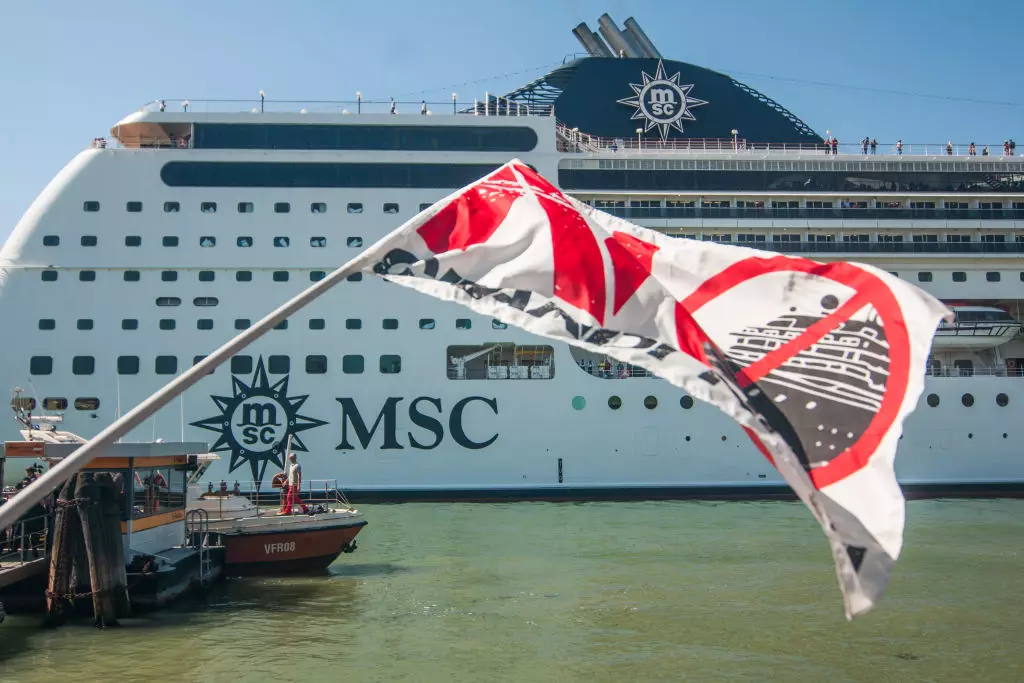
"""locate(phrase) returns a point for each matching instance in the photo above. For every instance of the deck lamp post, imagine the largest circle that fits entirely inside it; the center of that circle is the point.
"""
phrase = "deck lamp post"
(639, 132)
(263, 96)
(735, 140)
(359, 102)
(453, 103)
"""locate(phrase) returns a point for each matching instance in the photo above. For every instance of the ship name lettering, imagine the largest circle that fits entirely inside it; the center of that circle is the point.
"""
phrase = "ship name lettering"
(425, 412)
(271, 548)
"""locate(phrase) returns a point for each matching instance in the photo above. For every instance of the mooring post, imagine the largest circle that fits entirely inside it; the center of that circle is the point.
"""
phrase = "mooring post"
(98, 548)
(111, 507)
(58, 586)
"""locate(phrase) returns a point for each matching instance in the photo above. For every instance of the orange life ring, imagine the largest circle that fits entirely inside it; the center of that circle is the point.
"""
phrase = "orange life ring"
(279, 480)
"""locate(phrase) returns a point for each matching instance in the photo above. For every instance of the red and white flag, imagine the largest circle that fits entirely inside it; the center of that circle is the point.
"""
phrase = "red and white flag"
(820, 363)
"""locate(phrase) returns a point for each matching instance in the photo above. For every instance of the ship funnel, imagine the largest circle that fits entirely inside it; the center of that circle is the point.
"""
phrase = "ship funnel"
(591, 41)
(640, 38)
(614, 37)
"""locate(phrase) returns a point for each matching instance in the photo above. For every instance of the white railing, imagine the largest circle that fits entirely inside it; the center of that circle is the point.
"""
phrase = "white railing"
(490, 105)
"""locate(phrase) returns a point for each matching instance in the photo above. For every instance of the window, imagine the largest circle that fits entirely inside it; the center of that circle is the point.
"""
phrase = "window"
(244, 241)
(85, 323)
(208, 207)
(1002, 400)
(965, 368)
(129, 324)
(993, 276)
(206, 276)
(48, 276)
(40, 365)
(789, 238)
(51, 240)
(168, 301)
(166, 365)
(127, 365)
(317, 242)
(889, 239)
(352, 365)
(172, 207)
(242, 323)
(52, 403)
(924, 277)
(716, 237)
(204, 324)
(750, 237)
(196, 360)
(243, 276)
(87, 403)
(283, 325)
(47, 324)
(354, 242)
(87, 276)
(241, 365)
(91, 207)
(167, 324)
(205, 301)
(316, 275)
(429, 324)
(390, 323)
(861, 237)
(959, 276)
(169, 276)
(133, 207)
(390, 207)
(933, 400)
(207, 241)
(282, 242)
(353, 324)
(280, 276)
(170, 241)
(967, 400)
(83, 365)
(956, 206)
(354, 207)
(424, 206)
(498, 325)
(463, 323)
(614, 402)
(245, 207)
(89, 241)
(390, 364)
(132, 276)
(317, 324)
(133, 241)
(355, 277)
(650, 402)
(282, 207)
(318, 207)
(23, 403)
(279, 365)
(316, 365)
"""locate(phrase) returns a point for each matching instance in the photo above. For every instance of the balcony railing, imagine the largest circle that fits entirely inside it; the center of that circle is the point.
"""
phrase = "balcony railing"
(874, 214)
(884, 247)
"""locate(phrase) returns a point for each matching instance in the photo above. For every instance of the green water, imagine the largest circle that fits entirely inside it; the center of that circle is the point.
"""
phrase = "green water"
(589, 592)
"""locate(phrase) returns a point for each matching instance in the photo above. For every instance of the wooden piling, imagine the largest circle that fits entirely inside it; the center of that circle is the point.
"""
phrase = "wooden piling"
(102, 530)
(58, 587)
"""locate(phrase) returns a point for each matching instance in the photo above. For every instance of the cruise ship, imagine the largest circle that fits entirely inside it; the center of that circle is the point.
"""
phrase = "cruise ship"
(161, 240)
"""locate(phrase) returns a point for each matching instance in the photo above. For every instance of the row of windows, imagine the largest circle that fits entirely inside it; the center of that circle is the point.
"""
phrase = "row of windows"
(686, 402)
(204, 241)
(203, 275)
(93, 206)
(28, 403)
(779, 208)
(354, 364)
(49, 324)
(327, 175)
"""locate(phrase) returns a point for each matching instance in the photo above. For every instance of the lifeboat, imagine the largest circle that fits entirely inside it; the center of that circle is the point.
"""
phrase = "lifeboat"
(976, 327)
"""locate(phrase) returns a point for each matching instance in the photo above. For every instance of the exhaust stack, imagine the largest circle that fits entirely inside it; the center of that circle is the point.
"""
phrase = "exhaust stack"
(591, 41)
(614, 37)
(641, 39)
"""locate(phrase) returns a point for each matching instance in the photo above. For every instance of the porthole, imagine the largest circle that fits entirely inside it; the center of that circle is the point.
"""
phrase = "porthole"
(933, 400)
(614, 402)
(87, 404)
(723, 437)
(970, 435)
(245, 207)
(55, 403)
(316, 275)
(170, 241)
(686, 402)
(967, 400)
(1002, 400)
(318, 207)
(282, 207)
(579, 403)
(51, 241)
(651, 402)
(687, 437)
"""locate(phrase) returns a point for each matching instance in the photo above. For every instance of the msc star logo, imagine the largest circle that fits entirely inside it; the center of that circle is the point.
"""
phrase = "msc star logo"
(661, 102)
(256, 420)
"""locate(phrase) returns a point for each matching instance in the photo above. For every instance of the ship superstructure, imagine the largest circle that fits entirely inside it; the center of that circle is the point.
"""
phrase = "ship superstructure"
(161, 241)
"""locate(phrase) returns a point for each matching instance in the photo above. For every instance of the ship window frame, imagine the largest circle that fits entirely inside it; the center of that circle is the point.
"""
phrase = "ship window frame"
(239, 241)
(316, 364)
(425, 205)
(133, 207)
(89, 240)
(212, 241)
(167, 324)
(170, 241)
(389, 323)
(129, 324)
(128, 365)
(318, 207)
(283, 325)
(427, 324)
(924, 276)
(354, 207)
(282, 242)
(353, 323)
(131, 276)
(168, 301)
(47, 324)
(353, 364)
(133, 241)
(281, 276)
(55, 403)
(390, 364)
(241, 365)
(959, 276)
(355, 277)
(165, 365)
(40, 365)
(83, 365)
(317, 242)
(282, 207)
(204, 324)
(354, 242)
(168, 276)
(993, 276)
(205, 301)
(172, 207)
(390, 208)
(85, 324)
(242, 323)
(279, 364)
(87, 276)
(51, 275)
(51, 240)
(243, 276)
(317, 324)
(91, 206)
(85, 403)
(245, 207)
(463, 324)
(208, 207)
(317, 275)
(206, 276)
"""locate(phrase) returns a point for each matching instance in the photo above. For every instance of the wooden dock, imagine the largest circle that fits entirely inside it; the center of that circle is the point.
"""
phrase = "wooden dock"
(13, 569)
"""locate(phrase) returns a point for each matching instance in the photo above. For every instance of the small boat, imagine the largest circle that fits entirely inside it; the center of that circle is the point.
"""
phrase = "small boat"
(260, 541)
(976, 327)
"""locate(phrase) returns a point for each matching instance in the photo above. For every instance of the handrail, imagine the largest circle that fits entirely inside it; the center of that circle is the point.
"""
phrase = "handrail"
(836, 213)
(490, 105)
(973, 371)
(16, 542)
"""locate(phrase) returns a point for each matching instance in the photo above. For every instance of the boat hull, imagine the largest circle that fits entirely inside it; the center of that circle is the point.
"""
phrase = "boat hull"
(255, 552)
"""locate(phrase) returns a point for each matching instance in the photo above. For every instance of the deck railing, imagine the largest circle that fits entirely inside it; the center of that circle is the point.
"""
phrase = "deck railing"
(268, 499)
(488, 105)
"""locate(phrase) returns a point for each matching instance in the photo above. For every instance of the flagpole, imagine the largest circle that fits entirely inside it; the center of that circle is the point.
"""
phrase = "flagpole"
(62, 471)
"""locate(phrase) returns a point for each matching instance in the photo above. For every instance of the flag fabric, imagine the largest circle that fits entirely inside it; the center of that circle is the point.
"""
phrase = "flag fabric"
(819, 362)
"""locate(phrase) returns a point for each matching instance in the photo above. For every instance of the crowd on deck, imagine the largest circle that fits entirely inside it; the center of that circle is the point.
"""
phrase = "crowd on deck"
(608, 370)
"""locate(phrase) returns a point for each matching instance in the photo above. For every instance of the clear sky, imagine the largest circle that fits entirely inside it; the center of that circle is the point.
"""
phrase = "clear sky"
(69, 70)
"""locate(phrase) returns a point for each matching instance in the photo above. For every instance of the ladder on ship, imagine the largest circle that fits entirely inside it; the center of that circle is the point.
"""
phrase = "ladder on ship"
(197, 526)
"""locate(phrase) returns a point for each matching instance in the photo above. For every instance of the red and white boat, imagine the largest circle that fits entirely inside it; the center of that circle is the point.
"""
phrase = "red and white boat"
(260, 541)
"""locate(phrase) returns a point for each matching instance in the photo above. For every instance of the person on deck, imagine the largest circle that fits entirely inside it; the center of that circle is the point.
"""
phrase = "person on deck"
(294, 470)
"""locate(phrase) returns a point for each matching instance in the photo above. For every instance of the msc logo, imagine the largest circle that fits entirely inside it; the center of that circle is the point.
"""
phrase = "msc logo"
(661, 102)
(256, 420)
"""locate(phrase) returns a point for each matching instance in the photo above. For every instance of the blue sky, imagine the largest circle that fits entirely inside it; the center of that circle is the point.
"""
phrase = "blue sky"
(69, 71)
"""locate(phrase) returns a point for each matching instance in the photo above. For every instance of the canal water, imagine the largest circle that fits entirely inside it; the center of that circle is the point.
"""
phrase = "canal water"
(668, 591)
